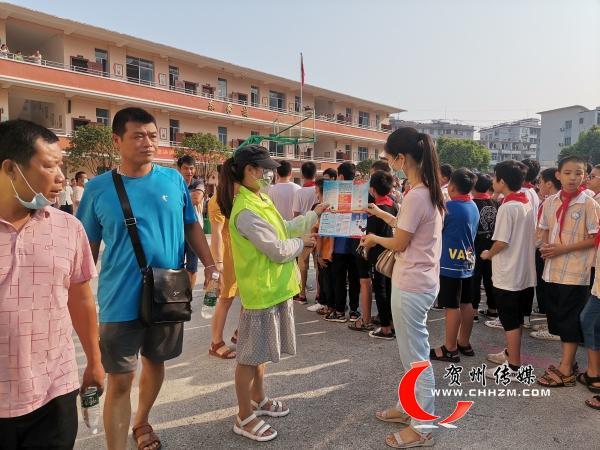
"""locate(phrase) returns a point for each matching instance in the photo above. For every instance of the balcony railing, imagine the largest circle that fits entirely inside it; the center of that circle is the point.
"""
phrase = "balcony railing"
(347, 121)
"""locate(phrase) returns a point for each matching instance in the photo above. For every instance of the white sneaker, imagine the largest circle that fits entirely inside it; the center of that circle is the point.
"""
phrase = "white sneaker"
(493, 323)
(539, 327)
(510, 374)
(498, 358)
(316, 307)
(544, 335)
(526, 322)
(536, 312)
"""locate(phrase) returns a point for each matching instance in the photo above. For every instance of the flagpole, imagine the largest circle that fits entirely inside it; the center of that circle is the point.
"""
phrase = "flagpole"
(301, 92)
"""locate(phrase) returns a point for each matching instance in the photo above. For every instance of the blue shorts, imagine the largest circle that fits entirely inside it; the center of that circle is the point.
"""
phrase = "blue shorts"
(191, 260)
(590, 323)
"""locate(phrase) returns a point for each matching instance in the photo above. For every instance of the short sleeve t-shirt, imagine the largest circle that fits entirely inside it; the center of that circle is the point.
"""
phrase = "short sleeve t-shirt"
(513, 269)
(304, 199)
(161, 204)
(488, 208)
(282, 195)
(38, 265)
(458, 239)
(417, 269)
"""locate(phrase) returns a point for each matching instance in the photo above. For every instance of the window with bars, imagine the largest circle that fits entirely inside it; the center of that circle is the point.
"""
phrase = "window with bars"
(140, 70)
(102, 116)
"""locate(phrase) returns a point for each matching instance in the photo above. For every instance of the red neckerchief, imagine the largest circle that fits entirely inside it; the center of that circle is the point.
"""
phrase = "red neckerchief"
(309, 184)
(561, 212)
(480, 196)
(461, 198)
(517, 197)
(528, 185)
(384, 201)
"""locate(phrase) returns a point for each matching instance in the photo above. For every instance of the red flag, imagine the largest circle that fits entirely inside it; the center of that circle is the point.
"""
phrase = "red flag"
(302, 69)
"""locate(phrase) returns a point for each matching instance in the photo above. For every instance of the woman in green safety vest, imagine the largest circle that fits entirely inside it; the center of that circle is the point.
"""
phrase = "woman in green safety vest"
(264, 247)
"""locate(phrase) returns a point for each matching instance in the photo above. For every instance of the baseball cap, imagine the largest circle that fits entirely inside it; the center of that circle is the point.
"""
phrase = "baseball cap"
(254, 154)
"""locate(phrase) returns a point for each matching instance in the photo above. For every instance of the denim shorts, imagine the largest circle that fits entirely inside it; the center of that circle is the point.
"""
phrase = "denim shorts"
(191, 260)
(590, 323)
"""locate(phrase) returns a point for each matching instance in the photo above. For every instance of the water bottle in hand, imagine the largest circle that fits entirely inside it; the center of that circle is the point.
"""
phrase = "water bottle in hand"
(90, 408)
(210, 297)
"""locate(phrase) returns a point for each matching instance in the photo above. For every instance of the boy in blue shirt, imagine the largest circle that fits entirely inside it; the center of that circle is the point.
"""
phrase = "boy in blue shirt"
(456, 267)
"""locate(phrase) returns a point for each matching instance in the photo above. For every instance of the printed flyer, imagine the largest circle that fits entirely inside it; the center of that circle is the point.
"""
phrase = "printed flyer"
(347, 217)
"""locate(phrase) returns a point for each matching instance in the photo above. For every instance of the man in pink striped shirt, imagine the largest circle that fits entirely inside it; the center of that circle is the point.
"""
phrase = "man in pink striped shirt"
(45, 267)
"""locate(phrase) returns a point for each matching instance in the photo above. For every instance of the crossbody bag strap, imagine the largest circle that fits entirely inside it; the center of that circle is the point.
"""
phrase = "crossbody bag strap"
(130, 221)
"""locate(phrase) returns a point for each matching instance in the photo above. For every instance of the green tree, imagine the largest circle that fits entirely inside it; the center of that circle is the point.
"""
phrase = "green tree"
(463, 153)
(363, 167)
(586, 147)
(92, 147)
(206, 149)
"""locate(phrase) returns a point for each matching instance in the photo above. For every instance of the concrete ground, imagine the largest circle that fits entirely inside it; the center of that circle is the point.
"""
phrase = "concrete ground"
(337, 381)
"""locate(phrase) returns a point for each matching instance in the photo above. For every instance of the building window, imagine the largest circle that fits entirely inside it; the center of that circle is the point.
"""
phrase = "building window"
(254, 96)
(140, 70)
(580, 120)
(102, 116)
(222, 131)
(222, 88)
(276, 100)
(173, 76)
(363, 153)
(254, 133)
(173, 130)
(377, 120)
(349, 114)
(447, 131)
(102, 58)
(567, 141)
(363, 119)
(568, 124)
(190, 88)
(297, 104)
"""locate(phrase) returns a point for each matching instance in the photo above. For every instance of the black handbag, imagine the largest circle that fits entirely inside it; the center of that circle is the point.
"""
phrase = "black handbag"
(166, 293)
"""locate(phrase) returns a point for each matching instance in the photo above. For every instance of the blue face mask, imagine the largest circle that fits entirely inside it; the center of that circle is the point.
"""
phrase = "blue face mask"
(38, 201)
(400, 172)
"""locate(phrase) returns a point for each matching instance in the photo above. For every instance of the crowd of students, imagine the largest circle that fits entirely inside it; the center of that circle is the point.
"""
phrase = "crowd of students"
(522, 234)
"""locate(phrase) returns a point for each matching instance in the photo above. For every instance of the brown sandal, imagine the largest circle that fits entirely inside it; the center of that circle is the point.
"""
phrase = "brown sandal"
(565, 380)
(145, 429)
(214, 351)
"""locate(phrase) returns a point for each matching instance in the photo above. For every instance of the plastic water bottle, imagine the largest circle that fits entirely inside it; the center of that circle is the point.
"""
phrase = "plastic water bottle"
(90, 408)
(210, 297)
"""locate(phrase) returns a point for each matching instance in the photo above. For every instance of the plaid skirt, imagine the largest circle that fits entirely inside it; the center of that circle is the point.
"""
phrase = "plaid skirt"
(264, 334)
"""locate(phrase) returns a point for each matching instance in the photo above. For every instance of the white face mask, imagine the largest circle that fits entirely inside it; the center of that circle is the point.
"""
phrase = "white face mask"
(38, 201)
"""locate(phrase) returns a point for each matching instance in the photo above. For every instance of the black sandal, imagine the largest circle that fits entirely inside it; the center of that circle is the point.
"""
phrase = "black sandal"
(588, 381)
(467, 351)
(364, 326)
(447, 356)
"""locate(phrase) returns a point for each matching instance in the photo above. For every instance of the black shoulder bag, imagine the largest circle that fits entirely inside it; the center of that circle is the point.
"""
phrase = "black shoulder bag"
(166, 293)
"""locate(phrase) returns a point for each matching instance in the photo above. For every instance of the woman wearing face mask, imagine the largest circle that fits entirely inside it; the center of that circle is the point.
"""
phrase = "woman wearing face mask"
(264, 251)
(415, 280)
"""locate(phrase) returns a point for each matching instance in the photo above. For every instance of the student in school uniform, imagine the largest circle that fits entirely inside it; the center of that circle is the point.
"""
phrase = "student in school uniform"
(570, 223)
(513, 262)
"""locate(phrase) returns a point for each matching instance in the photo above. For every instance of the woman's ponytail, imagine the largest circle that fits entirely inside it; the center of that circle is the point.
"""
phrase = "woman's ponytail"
(430, 170)
(226, 187)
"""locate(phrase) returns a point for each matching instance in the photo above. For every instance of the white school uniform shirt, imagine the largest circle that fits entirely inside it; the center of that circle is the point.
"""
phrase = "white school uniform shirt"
(304, 199)
(282, 195)
(513, 269)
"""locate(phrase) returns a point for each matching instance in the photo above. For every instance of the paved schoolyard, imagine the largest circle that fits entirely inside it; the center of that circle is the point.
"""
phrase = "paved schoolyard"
(337, 381)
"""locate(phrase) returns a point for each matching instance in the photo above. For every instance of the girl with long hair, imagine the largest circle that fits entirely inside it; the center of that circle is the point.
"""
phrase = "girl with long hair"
(415, 280)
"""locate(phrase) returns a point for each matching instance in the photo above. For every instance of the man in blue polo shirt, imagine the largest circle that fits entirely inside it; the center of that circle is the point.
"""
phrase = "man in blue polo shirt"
(456, 267)
(165, 217)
